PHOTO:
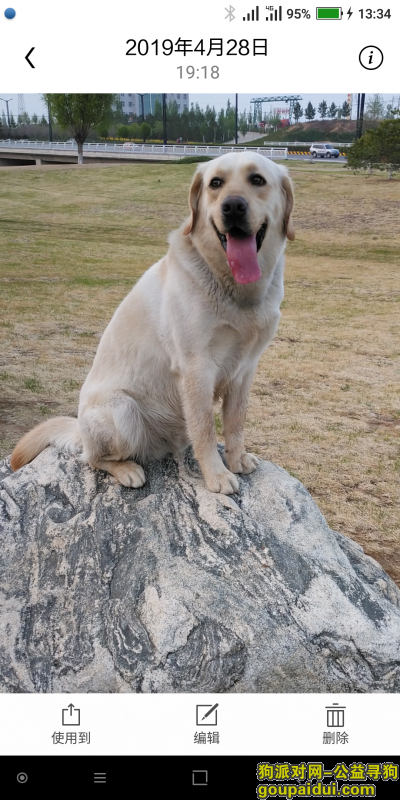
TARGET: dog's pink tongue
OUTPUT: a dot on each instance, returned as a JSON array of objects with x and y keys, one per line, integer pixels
[{"x": 242, "y": 258}]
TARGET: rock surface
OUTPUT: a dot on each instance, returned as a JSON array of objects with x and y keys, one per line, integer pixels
[{"x": 170, "y": 588}]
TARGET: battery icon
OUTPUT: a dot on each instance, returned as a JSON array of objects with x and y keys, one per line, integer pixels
[{"x": 329, "y": 12}]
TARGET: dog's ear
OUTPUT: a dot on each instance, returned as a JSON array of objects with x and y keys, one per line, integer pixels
[
  {"x": 288, "y": 226},
  {"x": 194, "y": 199}
]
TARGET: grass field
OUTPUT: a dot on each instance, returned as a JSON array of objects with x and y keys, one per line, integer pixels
[{"x": 325, "y": 403}]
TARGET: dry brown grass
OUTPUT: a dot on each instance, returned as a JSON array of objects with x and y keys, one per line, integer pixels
[{"x": 325, "y": 403}]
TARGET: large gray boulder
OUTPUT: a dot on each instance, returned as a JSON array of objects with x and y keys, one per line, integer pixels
[{"x": 171, "y": 588}]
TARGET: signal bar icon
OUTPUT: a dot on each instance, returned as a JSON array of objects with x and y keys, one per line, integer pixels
[
  {"x": 253, "y": 16},
  {"x": 275, "y": 14}
]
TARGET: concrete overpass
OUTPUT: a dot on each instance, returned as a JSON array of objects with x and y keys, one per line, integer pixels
[{"x": 24, "y": 152}]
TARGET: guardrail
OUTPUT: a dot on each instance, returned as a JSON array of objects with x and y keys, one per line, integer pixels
[
  {"x": 160, "y": 149},
  {"x": 308, "y": 144}
]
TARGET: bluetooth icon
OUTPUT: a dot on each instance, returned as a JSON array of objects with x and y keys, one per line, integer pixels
[{"x": 230, "y": 15}]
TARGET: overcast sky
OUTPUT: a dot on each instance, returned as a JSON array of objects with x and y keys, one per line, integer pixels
[{"x": 34, "y": 102}]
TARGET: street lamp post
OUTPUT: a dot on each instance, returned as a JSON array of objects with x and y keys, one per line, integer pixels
[
  {"x": 236, "y": 120},
  {"x": 142, "y": 104},
  {"x": 8, "y": 115},
  {"x": 360, "y": 115},
  {"x": 50, "y": 124},
  {"x": 164, "y": 118}
]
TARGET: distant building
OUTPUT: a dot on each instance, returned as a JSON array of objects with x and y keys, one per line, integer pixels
[{"x": 132, "y": 103}]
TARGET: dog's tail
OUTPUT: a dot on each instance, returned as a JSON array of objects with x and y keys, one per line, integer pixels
[{"x": 63, "y": 432}]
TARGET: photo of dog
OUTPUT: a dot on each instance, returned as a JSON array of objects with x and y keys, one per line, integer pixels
[{"x": 190, "y": 332}]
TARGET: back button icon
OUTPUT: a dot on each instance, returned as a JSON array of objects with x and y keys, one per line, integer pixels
[{"x": 28, "y": 59}]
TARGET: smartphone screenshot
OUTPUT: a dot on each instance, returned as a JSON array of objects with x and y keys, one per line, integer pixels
[{"x": 199, "y": 399}]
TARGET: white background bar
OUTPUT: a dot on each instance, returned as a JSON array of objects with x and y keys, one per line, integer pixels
[
  {"x": 153, "y": 724},
  {"x": 80, "y": 46}
]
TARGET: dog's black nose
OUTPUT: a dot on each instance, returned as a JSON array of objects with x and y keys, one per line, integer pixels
[{"x": 234, "y": 208}]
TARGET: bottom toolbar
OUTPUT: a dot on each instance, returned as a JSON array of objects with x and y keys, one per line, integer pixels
[{"x": 199, "y": 724}]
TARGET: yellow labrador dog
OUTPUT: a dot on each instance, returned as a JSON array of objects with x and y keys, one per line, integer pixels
[{"x": 191, "y": 331}]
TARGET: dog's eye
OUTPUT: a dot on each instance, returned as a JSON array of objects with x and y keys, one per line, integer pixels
[
  {"x": 216, "y": 183},
  {"x": 257, "y": 180}
]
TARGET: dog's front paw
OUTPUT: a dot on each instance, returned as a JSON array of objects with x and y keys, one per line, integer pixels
[
  {"x": 129, "y": 474},
  {"x": 244, "y": 463},
  {"x": 223, "y": 482}
]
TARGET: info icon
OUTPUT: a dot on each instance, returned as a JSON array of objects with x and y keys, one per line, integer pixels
[{"x": 371, "y": 57}]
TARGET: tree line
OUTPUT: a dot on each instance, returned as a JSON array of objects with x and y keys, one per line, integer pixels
[
  {"x": 192, "y": 125},
  {"x": 102, "y": 115},
  {"x": 331, "y": 112},
  {"x": 375, "y": 110}
]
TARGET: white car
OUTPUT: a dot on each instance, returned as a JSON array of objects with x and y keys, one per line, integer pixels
[{"x": 324, "y": 150}]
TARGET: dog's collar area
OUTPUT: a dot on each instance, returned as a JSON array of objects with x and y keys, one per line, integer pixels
[{"x": 239, "y": 233}]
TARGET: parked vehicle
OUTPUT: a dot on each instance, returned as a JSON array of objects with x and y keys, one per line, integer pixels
[{"x": 324, "y": 150}]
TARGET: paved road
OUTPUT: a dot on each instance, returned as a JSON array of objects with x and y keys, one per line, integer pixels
[{"x": 323, "y": 160}]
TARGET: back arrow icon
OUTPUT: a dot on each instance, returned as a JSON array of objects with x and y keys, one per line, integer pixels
[{"x": 27, "y": 58}]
